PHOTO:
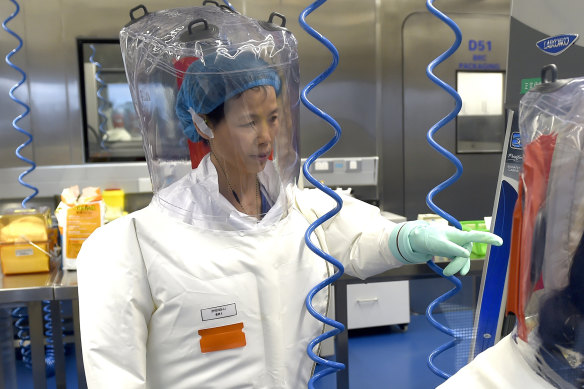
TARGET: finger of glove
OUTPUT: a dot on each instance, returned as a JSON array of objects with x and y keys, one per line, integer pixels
[
  {"x": 463, "y": 237},
  {"x": 443, "y": 247},
  {"x": 465, "y": 268},
  {"x": 456, "y": 265},
  {"x": 484, "y": 237}
]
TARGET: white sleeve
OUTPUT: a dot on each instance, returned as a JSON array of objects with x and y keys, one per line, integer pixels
[
  {"x": 357, "y": 236},
  {"x": 498, "y": 367},
  {"x": 115, "y": 306}
]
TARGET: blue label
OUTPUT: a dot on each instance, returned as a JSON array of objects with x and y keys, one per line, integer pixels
[
  {"x": 557, "y": 44},
  {"x": 515, "y": 140}
]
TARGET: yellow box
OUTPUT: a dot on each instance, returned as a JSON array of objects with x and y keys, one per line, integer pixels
[
  {"x": 113, "y": 197},
  {"x": 114, "y": 200},
  {"x": 20, "y": 258},
  {"x": 24, "y": 241}
]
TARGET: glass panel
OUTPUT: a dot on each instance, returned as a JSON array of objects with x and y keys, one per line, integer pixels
[
  {"x": 480, "y": 125},
  {"x": 111, "y": 128}
]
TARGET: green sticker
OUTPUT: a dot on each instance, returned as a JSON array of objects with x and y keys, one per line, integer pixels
[{"x": 528, "y": 83}]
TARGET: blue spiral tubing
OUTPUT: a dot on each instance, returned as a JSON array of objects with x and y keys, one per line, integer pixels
[
  {"x": 100, "y": 99},
  {"x": 20, "y": 313},
  {"x": 23, "y": 104},
  {"x": 443, "y": 185},
  {"x": 331, "y": 366},
  {"x": 49, "y": 348},
  {"x": 23, "y": 334}
]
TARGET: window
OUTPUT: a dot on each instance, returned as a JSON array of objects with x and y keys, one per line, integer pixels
[{"x": 480, "y": 125}]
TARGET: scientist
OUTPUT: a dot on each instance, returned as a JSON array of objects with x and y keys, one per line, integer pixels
[{"x": 205, "y": 287}]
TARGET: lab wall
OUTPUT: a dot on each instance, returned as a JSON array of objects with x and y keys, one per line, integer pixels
[
  {"x": 379, "y": 93},
  {"x": 533, "y": 21}
]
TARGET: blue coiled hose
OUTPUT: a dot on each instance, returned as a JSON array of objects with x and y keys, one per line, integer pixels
[
  {"x": 443, "y": 185},
  {"x": 331, "y": 366},
  {"x": 49, "y": 348},
  {"x": 24, "y": 105},
  {"x": 21, "y": 314},
  {"x": 100, "y": 99},
  {"x": 23, "y": 334}
]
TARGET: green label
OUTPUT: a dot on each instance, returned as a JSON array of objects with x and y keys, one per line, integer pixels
[{"x": 528, "y": 83}]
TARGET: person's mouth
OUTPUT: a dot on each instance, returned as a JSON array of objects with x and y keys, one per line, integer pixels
[{"x": 262, "y": 157}]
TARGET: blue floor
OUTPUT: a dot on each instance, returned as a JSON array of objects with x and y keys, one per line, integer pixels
[
  {"x": 383, "y": 357},
  {"x": 386, "y": 357}
]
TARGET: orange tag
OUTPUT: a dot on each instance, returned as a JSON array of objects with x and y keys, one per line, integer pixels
[
  {"x": 82, "y": 220},
  {"x": 222, "y": 338}
]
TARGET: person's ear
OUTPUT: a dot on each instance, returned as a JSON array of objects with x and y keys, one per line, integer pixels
[{"x": 201, "y": 125}]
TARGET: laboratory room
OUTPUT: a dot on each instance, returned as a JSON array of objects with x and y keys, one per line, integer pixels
[{"x": 286, "y": 194}]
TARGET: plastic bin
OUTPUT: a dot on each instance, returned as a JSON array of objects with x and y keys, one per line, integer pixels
[
  {"x": 24, "y": 241},
  {"x": 479, "y": 250}
]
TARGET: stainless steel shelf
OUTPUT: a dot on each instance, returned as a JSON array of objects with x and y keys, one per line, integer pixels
[{"x": 31, "y": 290}]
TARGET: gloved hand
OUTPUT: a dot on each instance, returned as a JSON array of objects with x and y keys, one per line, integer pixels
[{"x": 419, "y": 241}]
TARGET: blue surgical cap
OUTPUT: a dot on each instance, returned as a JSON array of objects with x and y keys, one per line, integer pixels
[{"x": 208, "y": 85}]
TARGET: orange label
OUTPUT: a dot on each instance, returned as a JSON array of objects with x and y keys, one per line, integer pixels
[
  {"x": 222, "y": 338},
  {"x": 82, "y": 220}
]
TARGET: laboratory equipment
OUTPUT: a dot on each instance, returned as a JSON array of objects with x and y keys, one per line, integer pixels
[
  {"x": 442, "y": 186},
  {"x": 550, "y": 247},
  {"x": 531, "y": 25},
  {"x": 337, "y": 327}
]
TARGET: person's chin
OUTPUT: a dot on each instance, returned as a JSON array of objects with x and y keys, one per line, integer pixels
[{"x": 259, "y": 164}]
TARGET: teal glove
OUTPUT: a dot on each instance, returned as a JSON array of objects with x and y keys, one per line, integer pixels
[{"x": 419, "y": 241}]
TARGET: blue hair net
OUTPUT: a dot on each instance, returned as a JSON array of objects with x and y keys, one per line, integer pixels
[{"x": 208, "y": 85}]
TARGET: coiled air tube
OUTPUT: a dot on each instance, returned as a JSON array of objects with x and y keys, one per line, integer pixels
[
  {"x": 49, "y": 348},
  {"x": 331, "y": 366},
  {"x": 21, "y": 314},
  {"x": 100, "y": 99},
  {"x": 443, "y": 185},
  {"x": 24, "y": 105},
  {"x": 23, "y": 334}
]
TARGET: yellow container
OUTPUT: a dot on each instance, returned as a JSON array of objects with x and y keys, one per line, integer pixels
[
  {"x": 114, "y": 203},
  {"x": 24, "y": 241},
  {"x": 20, "y": 258},
  {"x": 479, "y": 250}
]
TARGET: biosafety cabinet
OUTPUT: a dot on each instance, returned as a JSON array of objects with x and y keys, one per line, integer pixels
[{"x": 542, "y": 35}]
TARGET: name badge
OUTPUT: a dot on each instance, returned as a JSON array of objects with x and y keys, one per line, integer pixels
[{"x": 218, "y": 312}]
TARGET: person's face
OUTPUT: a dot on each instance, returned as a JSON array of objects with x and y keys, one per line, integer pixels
[{"x": 245, "y": 137}]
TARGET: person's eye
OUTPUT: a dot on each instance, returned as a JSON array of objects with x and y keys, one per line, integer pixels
[
  {"x": 274, "y": 119},
  {"x": 248, "y": 124}
]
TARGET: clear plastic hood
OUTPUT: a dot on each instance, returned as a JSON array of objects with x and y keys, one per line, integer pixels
[{"x": 217, "y": 95}]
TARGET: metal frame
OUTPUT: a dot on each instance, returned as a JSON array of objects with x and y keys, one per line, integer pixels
[{"x": 32, "y": 290}]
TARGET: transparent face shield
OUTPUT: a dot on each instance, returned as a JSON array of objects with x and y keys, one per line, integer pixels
[{"x": 217, "y": 98}]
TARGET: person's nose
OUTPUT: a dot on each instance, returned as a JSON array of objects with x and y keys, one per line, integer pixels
[{"x": 264, "y": 132}]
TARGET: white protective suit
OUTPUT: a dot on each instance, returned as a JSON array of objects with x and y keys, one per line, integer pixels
[
  {"x": 499, "y": 367},
  {"x": 147, "y": 283}
]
